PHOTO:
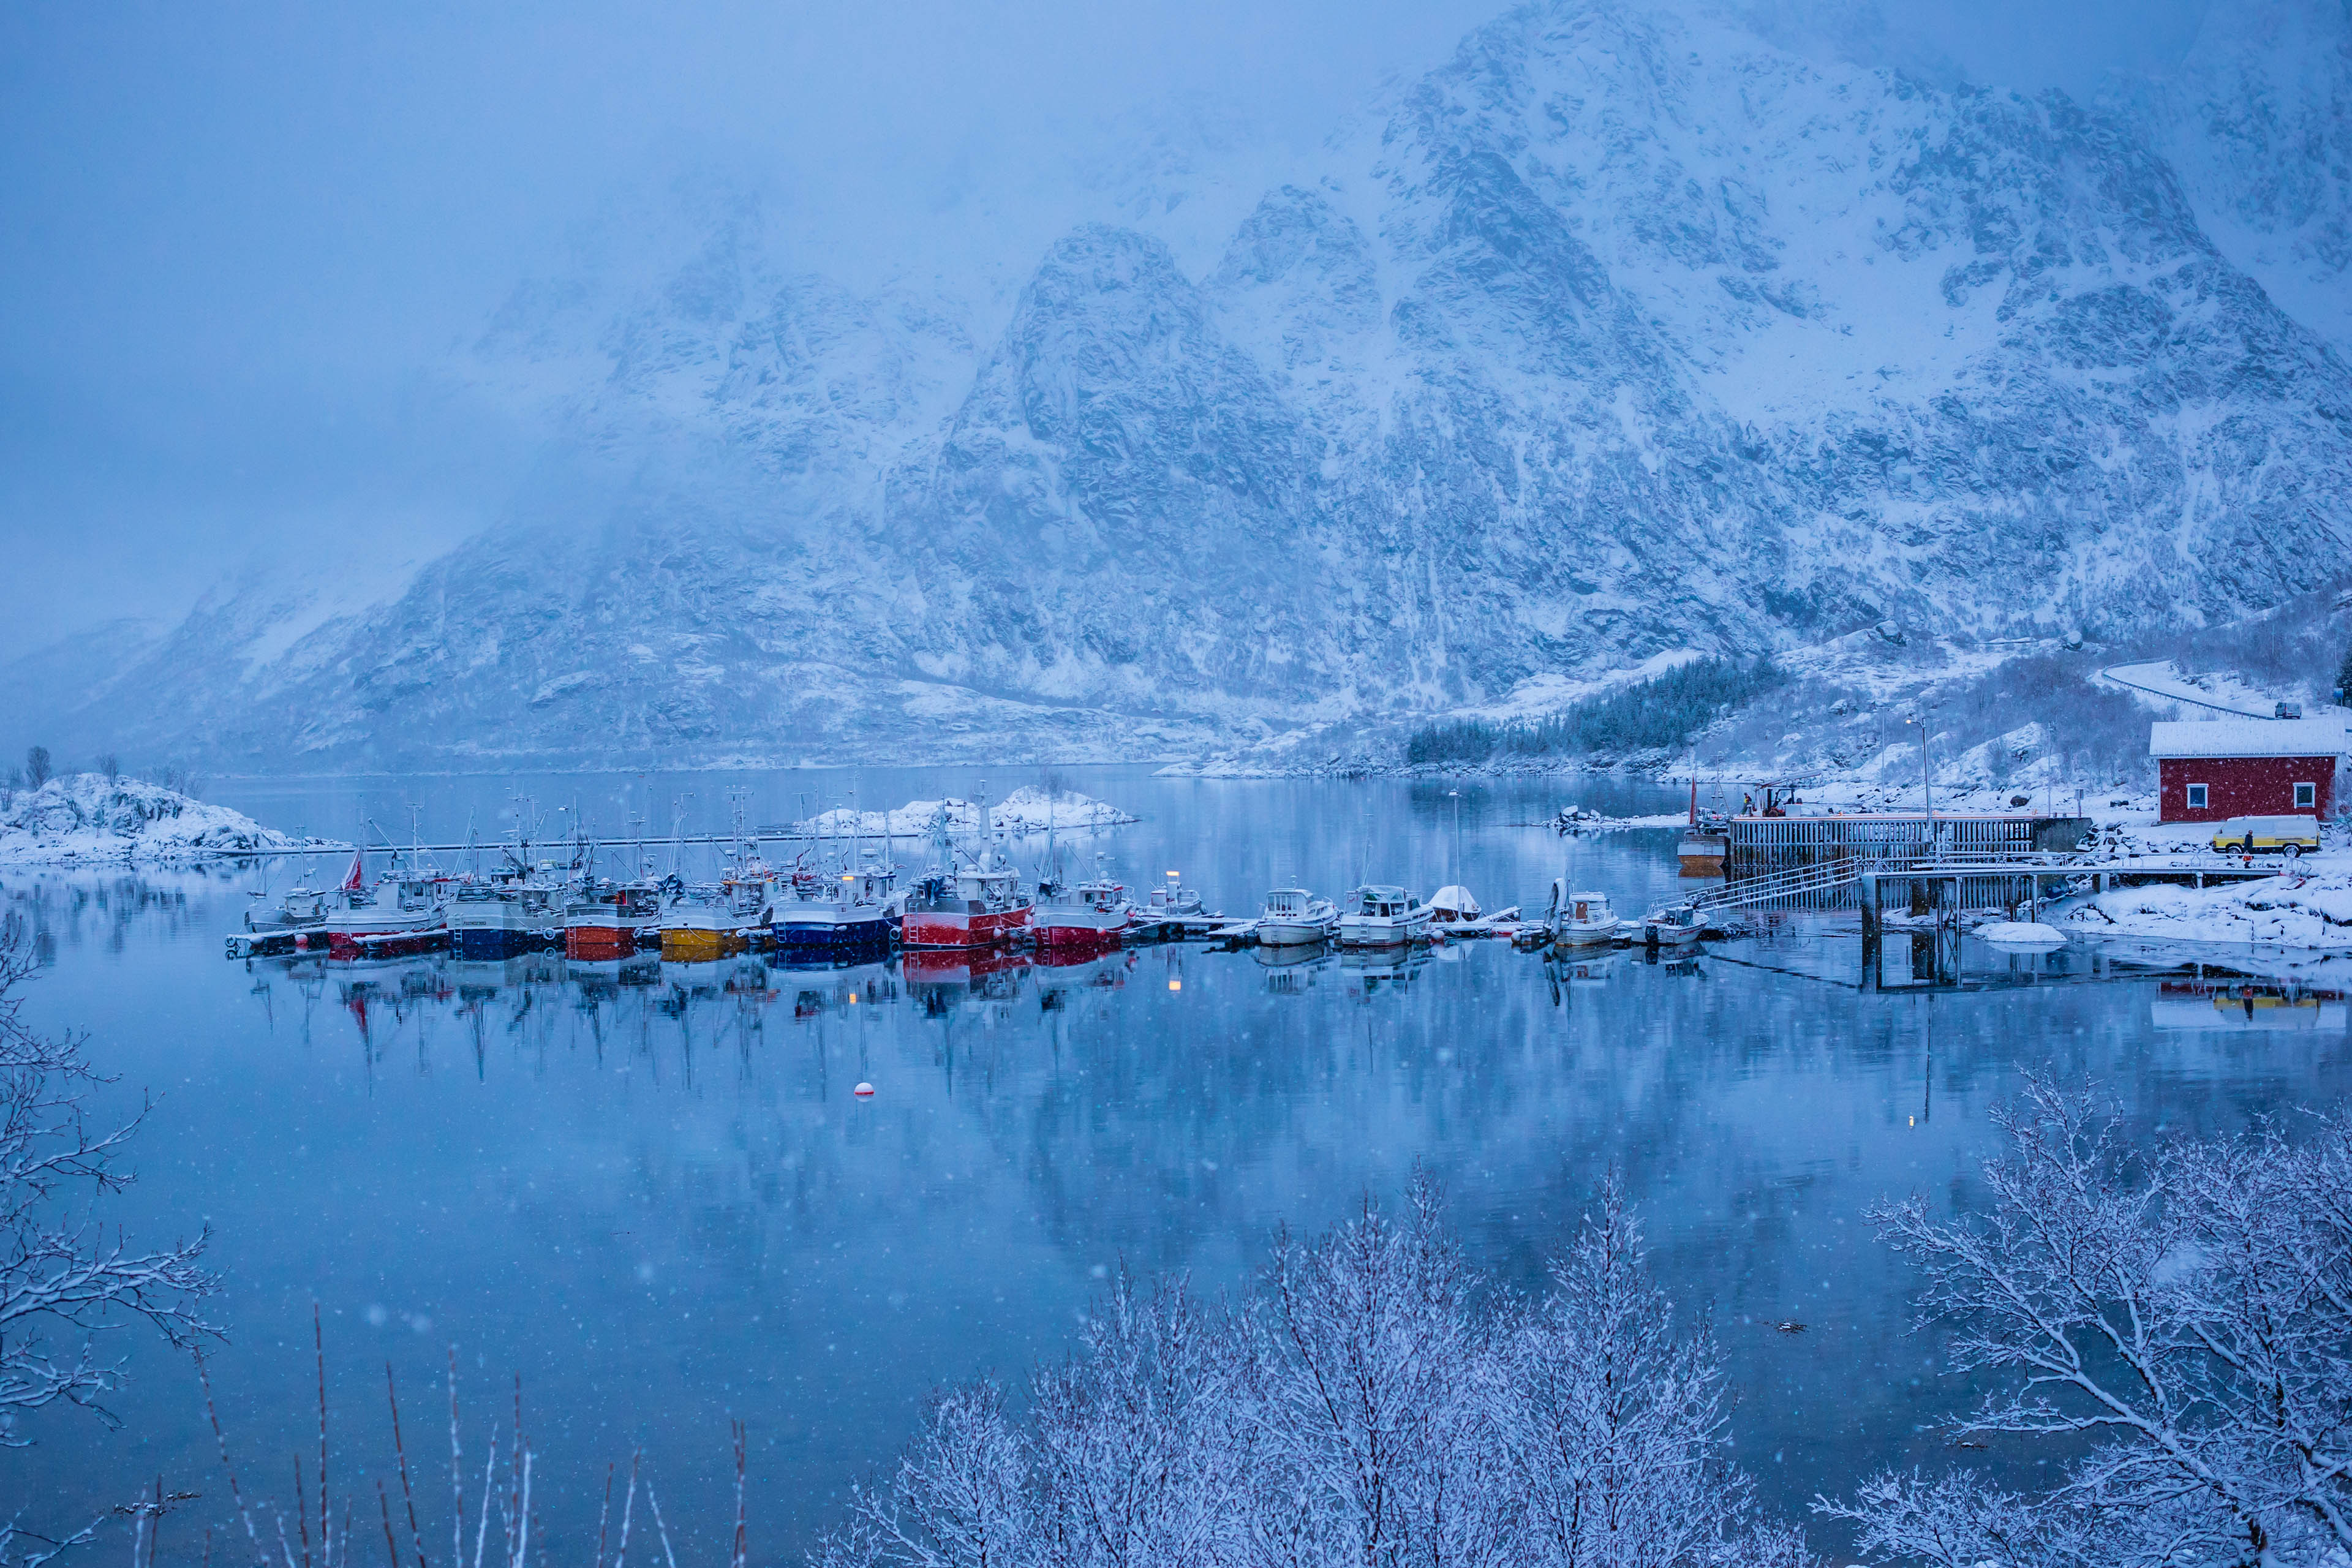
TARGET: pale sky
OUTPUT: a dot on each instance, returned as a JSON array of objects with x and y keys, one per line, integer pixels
[{"x": 239, "y": 244}]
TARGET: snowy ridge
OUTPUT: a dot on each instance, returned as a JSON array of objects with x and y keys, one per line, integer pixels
[
  {"x": 1026, "y": 810},
  {"x": 1623, "y": 336},
  {"x": 87, "y": 817}
]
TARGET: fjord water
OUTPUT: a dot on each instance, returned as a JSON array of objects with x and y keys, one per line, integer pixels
[{"x": 656, "y": 1201}]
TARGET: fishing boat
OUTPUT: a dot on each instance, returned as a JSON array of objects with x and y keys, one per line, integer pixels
[
  {"x": 972, "y": 907},
  {"x": 500, "y": 919},
  {"x": 399, "y": 915},
  {"x": 848, "y": 911},
  {"x": 968, "y": 898},
  {"x": 1702, "y": 850},
  {"x": 1677, "y": 925},
  {"x": 1091, "y": 914},
  {"x": 613, "y": 921},
  {"x": 716, "y": 920},
  {"x": 1582, "y": 920},
  {"x": 1292, "y": 917},
  {"x": 1173, "y": 902},
  {"x": 300, "y": 915},
  {"x": 1381, "y": 915}
]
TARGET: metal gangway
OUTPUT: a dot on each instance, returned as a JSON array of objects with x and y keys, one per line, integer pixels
[{"x": 1846, "y": 870}]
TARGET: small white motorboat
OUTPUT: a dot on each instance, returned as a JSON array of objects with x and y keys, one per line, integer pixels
[
  {"x": 1674, "y": 926},
  {"x": 1382, "y": 915},
  {"x": 1294, "y": 917},
  {"x": 1173, "y": 902},
  {"x": 1583, "y": 920},
  {"x": 1453, "y": 904}
]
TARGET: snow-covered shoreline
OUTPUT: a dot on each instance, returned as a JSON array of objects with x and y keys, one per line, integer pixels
[
  {"x": 1026, "y": 810},
  {"x": 2311, "y": 911},
  {"x": 83, "y": 819}
]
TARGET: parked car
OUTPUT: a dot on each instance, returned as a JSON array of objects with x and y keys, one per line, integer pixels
[
  {"x": 2290, "y": 835},
  {"x": 2287, "y": 710}
]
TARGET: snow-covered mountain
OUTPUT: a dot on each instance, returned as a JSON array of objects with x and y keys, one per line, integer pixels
[
  {"x": 2258, "y": 123},
  {"x": 1625, "y": 330}
]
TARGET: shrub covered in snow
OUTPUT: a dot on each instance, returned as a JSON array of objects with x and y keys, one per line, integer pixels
[
  {"x": 2177, "y": 1328},
  {"x": 1370, "y": 1403},
  {"x": 87, "y": 817}
]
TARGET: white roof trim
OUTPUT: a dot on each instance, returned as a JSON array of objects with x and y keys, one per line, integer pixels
[{"x": 2247, "y": 738}]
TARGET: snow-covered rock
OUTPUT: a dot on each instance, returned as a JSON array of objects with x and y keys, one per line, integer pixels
[
  {"x": 1026, "y": 810},
  {"x": 2020, "y": 933},
  {"x": 88, "y": 816},
  {"x": 1626, "y": 332},
  {"x": 2313, "y": 911}
]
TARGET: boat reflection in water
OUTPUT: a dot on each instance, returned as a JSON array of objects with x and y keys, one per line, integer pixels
[{"x": 1370, "y": 971}]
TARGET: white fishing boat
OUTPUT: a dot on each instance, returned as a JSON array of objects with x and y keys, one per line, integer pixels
[
  {"x": 1294, "y": 917},
  {"x": 1381, "y": 915}
]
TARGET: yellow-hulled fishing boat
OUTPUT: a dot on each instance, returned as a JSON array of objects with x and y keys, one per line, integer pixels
[{"x": 714, "y": 922}]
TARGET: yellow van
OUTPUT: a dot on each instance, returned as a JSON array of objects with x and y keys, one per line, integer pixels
[{"x": 2292, "y": 836}]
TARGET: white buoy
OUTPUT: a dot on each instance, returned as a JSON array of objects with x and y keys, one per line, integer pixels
[{"x": 863, "y": 1088}]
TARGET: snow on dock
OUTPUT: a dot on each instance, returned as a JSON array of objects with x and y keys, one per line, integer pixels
[
  {"x": 1025, "y": 810},
  {"x": 76, "y": 818}
]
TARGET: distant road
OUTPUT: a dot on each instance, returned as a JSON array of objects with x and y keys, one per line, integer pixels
[{"x": 2109, "y": 674}]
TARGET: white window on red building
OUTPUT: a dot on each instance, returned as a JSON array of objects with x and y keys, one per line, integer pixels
[
  {"x": 2306, "y": 796},
  {"x": 2196, "y": 797}
]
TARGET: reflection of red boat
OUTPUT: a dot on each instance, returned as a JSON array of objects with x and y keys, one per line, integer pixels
[
  {"x": 958, "y": 963},
  {"x": 1113, "y": 960}
]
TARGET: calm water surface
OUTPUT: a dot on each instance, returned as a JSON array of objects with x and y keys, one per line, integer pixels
[{"x": 655, "y": 1199}]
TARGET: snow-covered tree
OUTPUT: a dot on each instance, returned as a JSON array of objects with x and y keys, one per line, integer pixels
[
  {"x": 1375, "y": 1402},
  {"x": 63, "y": 1275},
  {"x": 2181, "y": 1321}
]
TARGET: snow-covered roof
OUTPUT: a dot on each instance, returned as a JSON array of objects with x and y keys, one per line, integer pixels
[{"x": 2247, "y": 738}]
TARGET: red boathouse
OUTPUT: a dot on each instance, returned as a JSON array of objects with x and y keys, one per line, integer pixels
[{"x": 2222, "y": 768}]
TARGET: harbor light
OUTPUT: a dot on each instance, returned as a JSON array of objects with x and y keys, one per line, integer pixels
[{"x": 1175, "y": 985}]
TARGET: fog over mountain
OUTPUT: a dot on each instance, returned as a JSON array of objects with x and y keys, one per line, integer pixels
[{"x": 1624, "y": 330}]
